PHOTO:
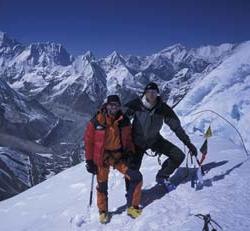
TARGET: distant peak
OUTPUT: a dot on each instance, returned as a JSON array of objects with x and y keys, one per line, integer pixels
[
  {"x": 5, "y": 39},
  {"x": 113, "y": 55},
  {"x": 177, "y": 46},
  {"x": 49, "y": 47},
  {"x": 213, "y": 51},
  {"x": 2, "y": 35},
  {"x": 45, "y": 45},
  {"x": 88, "y": 53},
  {"x": 223, "y": 45},
  {"x": 115, "y": 58},
  {"x": 89, "y": 56},
  {"x": 53, "y": 51}
]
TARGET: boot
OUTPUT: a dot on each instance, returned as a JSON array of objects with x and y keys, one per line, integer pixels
[
  {"x": 134, "y": 212},
  {"x": 103, "y": 218},
  {"x": 164, "y": 181}
]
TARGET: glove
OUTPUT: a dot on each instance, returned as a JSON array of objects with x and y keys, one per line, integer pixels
[
  {"x": 91, "y": 167},
  {"x": 192, "y": 149}
]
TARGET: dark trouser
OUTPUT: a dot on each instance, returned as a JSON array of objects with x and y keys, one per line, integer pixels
[{"x": 163, "y": 146}]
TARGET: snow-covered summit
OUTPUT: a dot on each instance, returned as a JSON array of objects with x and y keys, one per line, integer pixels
[
  {"x": 9, "y": 48},
  {"x": 210, "y": 52},
  {"x": 61, "y": 202},
  {"x": 114, "y": 58},
  {"x": 48, "y": 54},
  {"x": 175, "y": 52},
  {"x": 5, "y": 39},
  {"x": 89, "y": 56}
]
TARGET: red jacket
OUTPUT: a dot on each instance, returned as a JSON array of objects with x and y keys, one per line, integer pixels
[{"x": 94, "y": 137}]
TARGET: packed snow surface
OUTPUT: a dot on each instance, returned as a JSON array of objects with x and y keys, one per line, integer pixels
[{"x": 61, "y": 202}]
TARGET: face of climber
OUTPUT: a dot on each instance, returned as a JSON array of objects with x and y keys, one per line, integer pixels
[
  {"x": 151, "y": 95},
  {"x": 113, "y": 108}
]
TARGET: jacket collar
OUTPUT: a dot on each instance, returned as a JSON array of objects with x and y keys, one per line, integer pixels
[
  {"x": 103, "y": 118},
  {"x": 147, "y": 105}
]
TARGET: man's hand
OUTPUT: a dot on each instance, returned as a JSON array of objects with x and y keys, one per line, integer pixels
[
  {"x": 192, "y": 149},
  {"x": 91, "y": 167}
]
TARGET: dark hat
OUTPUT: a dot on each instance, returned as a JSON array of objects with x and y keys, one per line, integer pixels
[
  {"x": 151, "y": 86},
  {"x": 113, "y": 98}
]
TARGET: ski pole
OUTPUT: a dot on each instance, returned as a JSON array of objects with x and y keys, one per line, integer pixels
[
  {"x": 193, "y": 176},
  {"x": 198, "y": 162},
  {"x": 199, "y": 175},
  {"x": 200, "y": 165},
  {"x": 91, "y": 190}
]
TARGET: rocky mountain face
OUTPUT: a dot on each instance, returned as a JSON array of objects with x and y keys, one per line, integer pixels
[
  {"x": 30, "y": 142},
  {"x": 47, "y": 95}
]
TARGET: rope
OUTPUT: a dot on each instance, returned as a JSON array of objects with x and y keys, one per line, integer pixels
[{"x": 230, "y": 124}]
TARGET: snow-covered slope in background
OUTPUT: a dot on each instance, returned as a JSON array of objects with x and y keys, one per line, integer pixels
[
  {"x": 60, "y": 203},
  {"x": 226, "y": 90}
]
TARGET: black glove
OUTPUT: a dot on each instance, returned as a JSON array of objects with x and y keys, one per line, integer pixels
[
  {"x": 91, "y": 167},
  {"x": 192, "y": 149}
]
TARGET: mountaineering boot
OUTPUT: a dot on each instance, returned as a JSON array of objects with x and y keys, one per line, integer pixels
[
  {"x": 164, "y": 181},
  {"x": 103, "y": 218},
  {"x": 134, "y": 212}
]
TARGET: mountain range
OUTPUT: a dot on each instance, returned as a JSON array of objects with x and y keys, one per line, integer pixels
[{"x": 47, "y": 95}]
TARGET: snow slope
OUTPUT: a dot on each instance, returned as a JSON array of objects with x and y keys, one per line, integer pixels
[
  {"x": 60, "y": 203},
  {"x": 226, "y": 90}
]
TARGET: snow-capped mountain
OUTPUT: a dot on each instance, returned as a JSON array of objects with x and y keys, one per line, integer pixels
[
  {"x": 47, "y": 72},
  {"x": 57, "y": 93},
  {"x": 9, "y": 48}
]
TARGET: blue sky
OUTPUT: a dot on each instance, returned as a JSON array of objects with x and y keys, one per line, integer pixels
[{"x": 129, "y": 27}]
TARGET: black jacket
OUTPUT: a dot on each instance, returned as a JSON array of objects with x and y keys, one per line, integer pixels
[
  {"x": 147, "y": 123},
  {"x": 2, "y": 111}
]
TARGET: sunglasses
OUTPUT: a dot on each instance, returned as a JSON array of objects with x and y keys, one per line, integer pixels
[
  {"x": 114, "y": 104},
  {"x": 153, "y": 92}
]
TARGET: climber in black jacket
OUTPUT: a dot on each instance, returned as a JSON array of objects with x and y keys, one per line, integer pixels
[{"x": 149, "y": 113}]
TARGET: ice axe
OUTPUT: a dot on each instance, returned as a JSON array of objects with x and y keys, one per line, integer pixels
[{"x": 91, "y": 190}]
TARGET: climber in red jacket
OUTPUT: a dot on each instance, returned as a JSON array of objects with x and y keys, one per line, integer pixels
[{"x": 108, "y": 140}]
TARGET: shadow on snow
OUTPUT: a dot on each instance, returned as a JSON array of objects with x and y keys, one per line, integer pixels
[{"x": 181, "y": 176}]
